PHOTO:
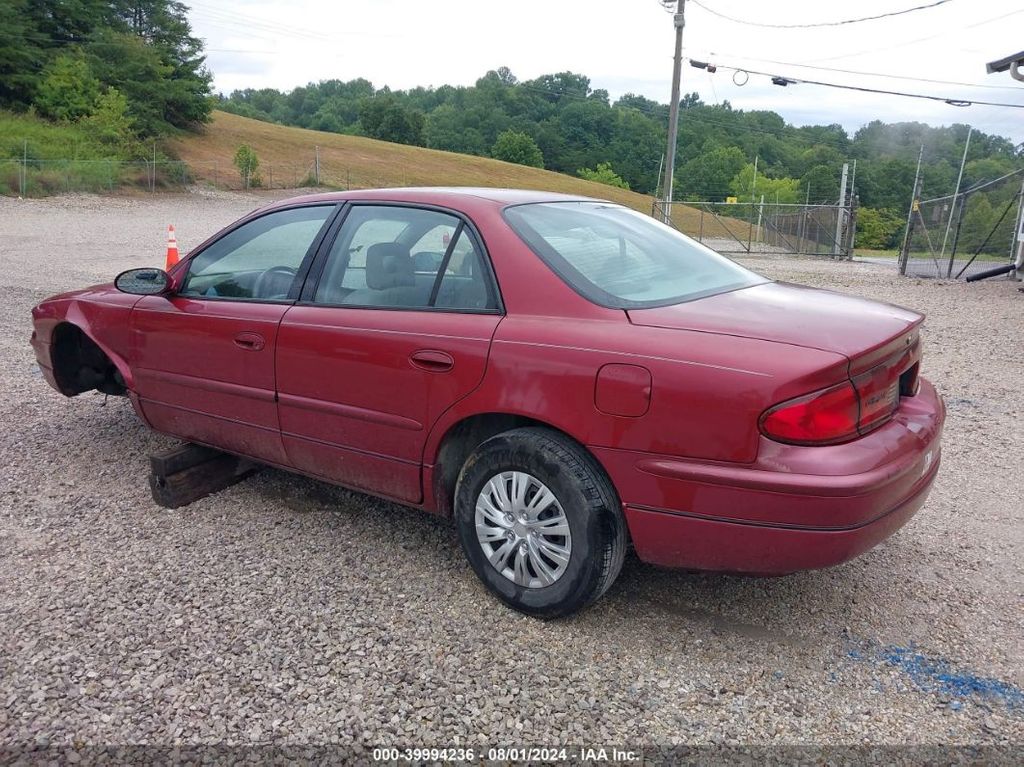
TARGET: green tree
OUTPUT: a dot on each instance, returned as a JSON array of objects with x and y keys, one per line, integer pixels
[
  {"x": 517, "y": 147},
  {"x": 68, "y": 90},
  {"x": 385, "y": 118},
  {"x": 110, "y": 122},
  {"x": 124, "y": 61},
  {"x": 603, "y": 174},
  {"x": 979, "y": 219},
  {"x": 248, "y": 165},
  {"x": 708, "y": 176},
  {"x": 821, "y": 184},
  {"x": 878, "y": 229},
  {"x": 163, "y": 25},
  {"x": 747, "y": 189},
  {"x": 21, "y": 55}
]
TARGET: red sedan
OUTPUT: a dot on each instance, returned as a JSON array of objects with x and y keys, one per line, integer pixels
[{"x": 562, "y": 376}]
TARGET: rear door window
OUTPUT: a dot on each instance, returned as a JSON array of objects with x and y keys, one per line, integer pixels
[{"x": 405, "y": 258}]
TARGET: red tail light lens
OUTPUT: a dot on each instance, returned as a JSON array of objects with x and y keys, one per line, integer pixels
[
  {"x": 822, "y": 418},
  {"x": 879, "y": 391},
  {"x": 842, "y": 412}
]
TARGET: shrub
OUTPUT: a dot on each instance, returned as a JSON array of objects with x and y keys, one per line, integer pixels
[
  {"x": 520, "y": 148},
  {"x": 603, "y": 174},
  {"x": 248, "y": 166}
]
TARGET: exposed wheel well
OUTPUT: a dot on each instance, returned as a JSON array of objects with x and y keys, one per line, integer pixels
[
  {"x": 461, "y": 440},
  {"x": 79, "y": 365}
]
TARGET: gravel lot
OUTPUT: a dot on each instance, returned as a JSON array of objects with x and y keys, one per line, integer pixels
[{"x": 287, "y": 611}]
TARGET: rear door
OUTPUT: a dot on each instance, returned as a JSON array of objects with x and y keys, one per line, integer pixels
[
  {"x": 393, "y": 328},
  {"x": 204, "y": 358}
]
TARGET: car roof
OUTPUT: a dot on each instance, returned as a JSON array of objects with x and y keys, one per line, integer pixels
[{"x": 438, "y": 195}]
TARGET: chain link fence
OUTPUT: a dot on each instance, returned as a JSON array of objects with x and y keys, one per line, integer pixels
[
  {"x": 762, "y": 227},
  {"x": 961, "y": 235},
  {"x": 39, "y": 178}
]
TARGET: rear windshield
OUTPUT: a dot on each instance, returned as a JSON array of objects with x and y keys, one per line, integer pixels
[{"x": 622, "y": 259}]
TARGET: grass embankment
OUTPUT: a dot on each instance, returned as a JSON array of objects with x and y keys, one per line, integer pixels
[
  {"x": 287, "y": 155},
  {"x": 65, "y": 157}
]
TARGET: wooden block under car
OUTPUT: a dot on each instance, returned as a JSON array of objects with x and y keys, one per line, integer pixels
[{"x": 189, "y": 472}]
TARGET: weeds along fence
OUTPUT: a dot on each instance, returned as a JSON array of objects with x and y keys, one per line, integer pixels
[
  {"x": 40, "y": 178},
  {"x": 762, "y": 227}
]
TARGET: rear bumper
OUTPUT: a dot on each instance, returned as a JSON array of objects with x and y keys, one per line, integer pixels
[
  {"x": 794, "y": 508},
  {"x": 699, "y": 543}
]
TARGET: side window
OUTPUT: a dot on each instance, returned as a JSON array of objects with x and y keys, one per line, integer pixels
[
  {"x": 258, "y": 260},
  {"x": 405, "y": 258}
]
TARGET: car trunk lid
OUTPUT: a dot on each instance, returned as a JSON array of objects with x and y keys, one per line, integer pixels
[
  {"x": 881, "y": 341},
  {"x": 860, "y": 329}
]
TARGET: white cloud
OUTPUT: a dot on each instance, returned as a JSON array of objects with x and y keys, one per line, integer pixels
[{"x": 627, "y": 46}]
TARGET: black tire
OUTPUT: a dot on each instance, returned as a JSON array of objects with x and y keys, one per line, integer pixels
[{"x": 590, "y": 504}]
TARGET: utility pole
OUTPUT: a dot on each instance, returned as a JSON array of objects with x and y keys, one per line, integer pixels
[{"x": 673, "y": 112}]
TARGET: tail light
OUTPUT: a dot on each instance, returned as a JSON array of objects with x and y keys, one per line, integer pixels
[
  {"x": 821, "y": 418},
  {"x": 842, "y": 412}
]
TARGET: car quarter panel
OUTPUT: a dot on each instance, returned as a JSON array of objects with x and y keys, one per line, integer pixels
[{"x": 705, "y": 396}]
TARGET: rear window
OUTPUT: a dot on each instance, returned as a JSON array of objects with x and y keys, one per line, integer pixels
[{"x": 622, "y": 259}]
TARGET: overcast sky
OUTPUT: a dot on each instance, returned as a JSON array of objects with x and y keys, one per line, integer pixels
[{"x": 626, "y": 46}]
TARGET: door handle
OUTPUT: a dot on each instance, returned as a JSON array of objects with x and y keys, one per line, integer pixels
[
  {"x": 251, "y": 342},
  {"x": 432, "y": 361}
]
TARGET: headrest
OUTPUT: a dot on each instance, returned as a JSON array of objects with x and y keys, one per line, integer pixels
[{"x": 389, "y": 265}]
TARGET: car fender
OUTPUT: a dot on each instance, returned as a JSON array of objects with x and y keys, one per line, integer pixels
[{"x": 102, "y": 314}]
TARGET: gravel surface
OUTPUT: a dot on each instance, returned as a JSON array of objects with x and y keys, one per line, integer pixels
[{"x": 287, "y": 611}]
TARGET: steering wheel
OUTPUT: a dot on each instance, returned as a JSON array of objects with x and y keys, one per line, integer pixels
[{"x": 265, "y": 279}]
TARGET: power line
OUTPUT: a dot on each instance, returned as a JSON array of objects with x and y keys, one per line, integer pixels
[
  {"x": 779, "y": 80},
  {"x": 867, "y": 74},
  {"x": 822, "y": 23},
  {"x": 915, "y": 41}
]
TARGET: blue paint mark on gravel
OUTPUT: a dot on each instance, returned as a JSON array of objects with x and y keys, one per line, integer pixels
[{"x": 938, "y": 675}]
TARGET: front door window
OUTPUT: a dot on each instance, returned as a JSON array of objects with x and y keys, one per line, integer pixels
[{"x": 259, "y": 260}]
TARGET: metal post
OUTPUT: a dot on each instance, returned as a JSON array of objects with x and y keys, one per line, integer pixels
[
  {"x": 216, "y": 172},
  {"x": 700, "y": 234},
  {"x": 673, "y": 114},
  {"x": 317, "y": 166},
  {"x": 959, "y": 226},
  {"x": 840, "y": 211},
  {"x": 1018, "y": 272},
  {"x": 24, "y": 168},
  {"x": 152, "y": 183},
  {"x": 803, "y": 222},
  {"x": 851, "y": 230},
  {"x": 750, "y": 216},
  {"x": 760, "y": 215},
  {"x": 952, "y": 206},
  {"x": 915, "y": 192}
]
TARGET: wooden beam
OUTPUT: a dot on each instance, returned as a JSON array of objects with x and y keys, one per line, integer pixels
[{"x": 186, "y": 473}]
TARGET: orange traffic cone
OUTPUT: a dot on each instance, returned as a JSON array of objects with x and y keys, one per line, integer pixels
[{"x": 172, "y": 249}]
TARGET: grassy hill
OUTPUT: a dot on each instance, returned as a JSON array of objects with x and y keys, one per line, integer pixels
[{"x": 287, "y": 156}]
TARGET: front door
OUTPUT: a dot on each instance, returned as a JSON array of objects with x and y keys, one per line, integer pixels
[
  {"x": 203, "y": 358},
  {"x": 396, "y": 330}
]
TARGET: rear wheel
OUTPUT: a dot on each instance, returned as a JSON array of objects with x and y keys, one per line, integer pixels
[{"x": 539, "y": 522}]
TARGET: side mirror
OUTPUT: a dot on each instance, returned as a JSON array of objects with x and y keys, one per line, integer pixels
[{"x": 143, "y": 282}]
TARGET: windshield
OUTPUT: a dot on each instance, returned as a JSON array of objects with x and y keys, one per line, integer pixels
[{"x": 622, "y": 259}]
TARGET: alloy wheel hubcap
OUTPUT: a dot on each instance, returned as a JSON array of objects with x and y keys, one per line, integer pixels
[{"x": 523, "y": 530}]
